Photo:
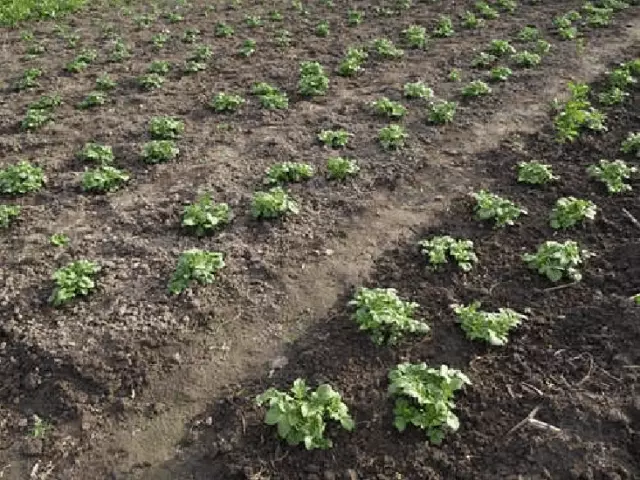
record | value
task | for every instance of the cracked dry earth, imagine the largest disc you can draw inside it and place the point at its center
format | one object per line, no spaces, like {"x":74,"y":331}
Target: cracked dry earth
{"x":137,"y":384}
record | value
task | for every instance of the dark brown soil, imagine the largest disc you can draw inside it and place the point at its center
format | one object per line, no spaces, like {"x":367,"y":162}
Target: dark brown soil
{"x":576,"y":358}
{"x":131,"y":354}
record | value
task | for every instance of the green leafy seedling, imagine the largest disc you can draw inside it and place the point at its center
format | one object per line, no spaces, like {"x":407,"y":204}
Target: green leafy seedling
{"x":97,"y":153}
{"x":491,"y":327}
{"x":613,"y":174}
{"x":8,"y":213}
{"x":535,"y":173}
{"x":103,"y":179}
{"x":388,"y":108}
{"x":557,"y":260}
{"x":571,"y":211}
{"x":226,"y":102}
{"x":289,"y":172}
{"x":439,"y":249}
{"x":334,"y":138}
{"x":385,"y":316}
{"x":195,"y":265}
{"x":417,"y":90}
{"x":204,"y":216}
{"x":442,"y":112}
{"x":273,"y":203}
{"x":500,"y":74}
{"x":21,"y":178}
{"x":313,"y":80}
{"x":59,"y":240}
{"x":301,"y":416}
{"x":165,"y":128}
{"x":339,"y":168}
{"x":631,"y":144}
{"x":424,"y":398}
{"x":484,"y":60}
{"x":105,"y":83}
{"x":93,"y":99}
{"x":159,"y":151}
{"x":476,"y":88}
{"x":151,"y":81}
{"x":75,"y":280}
{"x":270,"y":97}
{"x":386,"y":49}
{"x":500,"y":48}
{"x":415,"y":36}
{"x":471,"y":20}
{"x":392,"y":137}
{"x":502,"y":211}
{"x":444,"y":27}
{"x":352,"y":62}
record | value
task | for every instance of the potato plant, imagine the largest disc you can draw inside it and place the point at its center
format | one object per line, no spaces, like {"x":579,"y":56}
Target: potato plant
{"x":313,"y":80}
{"x":248,"y":48}
{"x":386,"y":49}
{"x":29,"y":79}
{"x":438,"y":250}
{"x":392,"y":137}
{"x":577,"y":114}
{"x":165,"y":128}
{"x":223,"y":30}
{"x":417,"y":90}
{"x":8,"y":213}
{"x":226,"y":102}
{"x":195,"y":265}
{"x":612,"y":96}
{"x":97,"y":153}
{"x":301,"y":415}
{"x":159,"y":151}
{"x":471,"y":21}
{"x":161,"y":67}
{"x":484,"y":60}
{"x":352,"y":62}
{"x":103,"y":179}
{"x":526,"y":59}
{"x":273,"y":203}
{"x":476,"y":88}
{"x":613,"y":174}
{"x":486,"y":11}
{"x":535,"y":173}
{"x":500,"y":48}
{"x":388,"y":108}
{"x":322,"y":29}
{"x":556,"y":260}
{"x":500,"y":73}
{"x":631,"y":144}
{"x":151,"y":81}
{"x":502,"y":211}
{"x":415,"y":36}
{"x":105,"y":83}
{"x":424,"y":398}
{"x":385,"y":316}
{"x":354,"y":17}
{"x":74,"y":280}
{"x":571,"y":211}
{"x":339,"y":168}
{"x":270,"y":97}
{"x":59,"y":240}
{"x":289,"y":172}
{"x":528,"y":34}
{"x":334,"y":138}
{"x":491,"y":327}
{"x":444,"y":27}
{"x":82,"y":61}
{"x":204,"y":216}
{"x":40,"y":112}
{"x":20,"y":178}
{"x":93,"y":99}
{"x":442,"y":112}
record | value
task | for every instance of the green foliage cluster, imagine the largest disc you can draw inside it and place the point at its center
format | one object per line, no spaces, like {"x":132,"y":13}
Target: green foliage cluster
{"x":438,"y":249}
{"x":195,"y":265}
{"x":385,"y":316}
{"x":492,"y":327}
{"x":74,"y":280}
{"x":302,"y":414}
